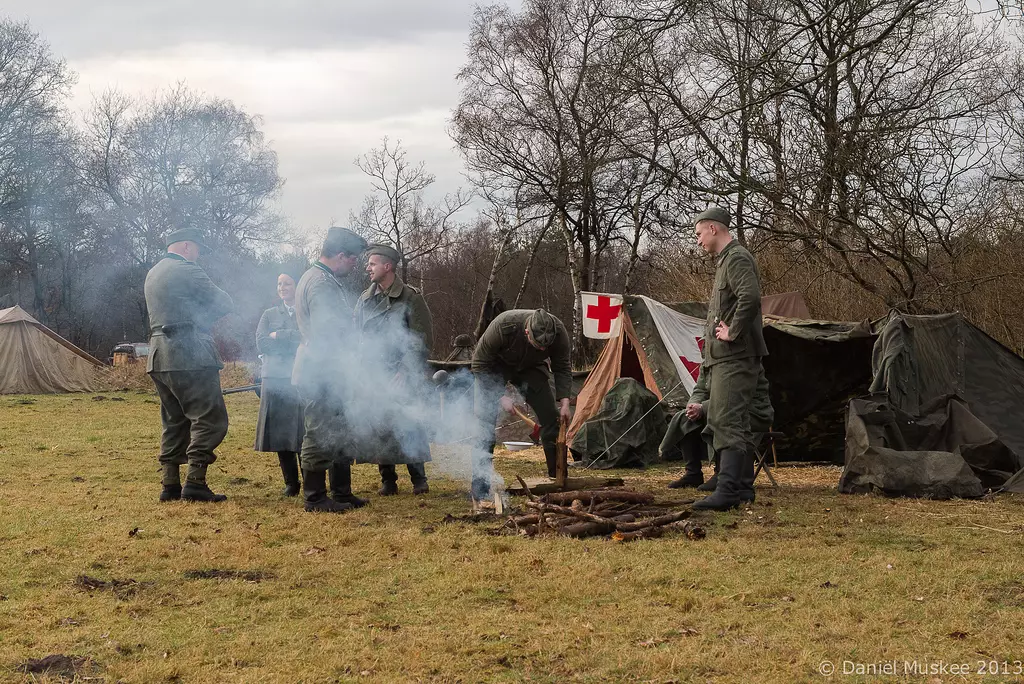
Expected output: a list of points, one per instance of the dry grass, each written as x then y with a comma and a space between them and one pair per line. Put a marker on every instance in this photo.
256, 590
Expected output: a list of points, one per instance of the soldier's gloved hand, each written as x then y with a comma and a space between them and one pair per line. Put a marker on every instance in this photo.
694, 411
507, 404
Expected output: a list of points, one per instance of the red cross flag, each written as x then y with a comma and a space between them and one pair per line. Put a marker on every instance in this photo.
602, 315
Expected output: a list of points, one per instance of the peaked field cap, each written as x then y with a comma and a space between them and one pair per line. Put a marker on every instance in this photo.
717, 214
343, 240
386, 251
190, 234
543, 328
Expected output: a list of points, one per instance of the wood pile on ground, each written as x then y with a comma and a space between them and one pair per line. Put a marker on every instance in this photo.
619, 514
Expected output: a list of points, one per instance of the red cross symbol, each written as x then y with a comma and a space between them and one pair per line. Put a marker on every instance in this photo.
604, 313
693, 368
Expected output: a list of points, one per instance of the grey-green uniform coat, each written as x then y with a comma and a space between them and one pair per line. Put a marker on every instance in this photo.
323, 313
733, 368
400, 316
183, 304
504, 354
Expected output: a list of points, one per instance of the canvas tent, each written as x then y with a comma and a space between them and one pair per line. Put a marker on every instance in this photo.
944, 417
36, 360
657, 346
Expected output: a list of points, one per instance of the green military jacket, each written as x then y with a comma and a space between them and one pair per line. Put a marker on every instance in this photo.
183, 305
401, 305
504, 350
735, 299
323, 314
278, 352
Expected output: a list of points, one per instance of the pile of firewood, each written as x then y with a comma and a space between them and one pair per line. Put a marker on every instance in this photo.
617, 513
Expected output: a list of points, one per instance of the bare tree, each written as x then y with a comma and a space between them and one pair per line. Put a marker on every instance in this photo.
396, 211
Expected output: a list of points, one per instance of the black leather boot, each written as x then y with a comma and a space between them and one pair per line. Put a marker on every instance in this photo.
727, 494
171, 482
746, 489
694, 475
551, 457
712, 483
290, 470
314, 492
418, 476
388, 480
195, 488
341, 486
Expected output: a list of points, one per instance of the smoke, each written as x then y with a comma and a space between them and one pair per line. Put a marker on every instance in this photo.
391, 404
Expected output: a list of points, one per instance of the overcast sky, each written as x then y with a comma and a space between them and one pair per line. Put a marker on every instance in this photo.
329, 78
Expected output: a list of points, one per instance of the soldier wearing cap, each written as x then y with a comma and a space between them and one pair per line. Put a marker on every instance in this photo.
515, 349
323, 314
397, 335
733, 350
183, 304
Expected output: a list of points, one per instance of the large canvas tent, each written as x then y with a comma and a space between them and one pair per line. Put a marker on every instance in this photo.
36, 360
918, 365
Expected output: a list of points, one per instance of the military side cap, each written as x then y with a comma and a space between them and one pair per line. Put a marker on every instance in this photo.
385, 251
716, 214
343, 240
191, 234
543, 328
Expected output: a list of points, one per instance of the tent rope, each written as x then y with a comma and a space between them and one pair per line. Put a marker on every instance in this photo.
626, 431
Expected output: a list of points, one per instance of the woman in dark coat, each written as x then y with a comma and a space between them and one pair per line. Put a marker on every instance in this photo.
280, 427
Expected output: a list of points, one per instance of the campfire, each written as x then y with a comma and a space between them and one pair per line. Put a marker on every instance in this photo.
620, 514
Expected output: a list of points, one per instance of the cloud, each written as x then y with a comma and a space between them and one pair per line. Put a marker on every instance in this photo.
321, 108
83, 29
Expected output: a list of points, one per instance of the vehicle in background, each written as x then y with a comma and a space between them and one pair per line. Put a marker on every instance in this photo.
128, 352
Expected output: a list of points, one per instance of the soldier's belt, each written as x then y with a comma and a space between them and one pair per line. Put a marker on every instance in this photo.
170, 328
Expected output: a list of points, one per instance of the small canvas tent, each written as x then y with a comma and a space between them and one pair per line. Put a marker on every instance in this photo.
36, 360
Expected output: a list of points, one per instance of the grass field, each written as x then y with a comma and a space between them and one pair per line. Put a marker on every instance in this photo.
95, 569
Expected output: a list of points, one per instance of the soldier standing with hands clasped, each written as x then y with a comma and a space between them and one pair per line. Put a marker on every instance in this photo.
183, 304
398, 333
734, 346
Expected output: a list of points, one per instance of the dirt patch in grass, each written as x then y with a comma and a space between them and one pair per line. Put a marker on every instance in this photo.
221, 574
1009, 594
122, 588
58, 665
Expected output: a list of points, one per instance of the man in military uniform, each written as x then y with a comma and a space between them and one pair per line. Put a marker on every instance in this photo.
688, 430
515, 349
397, 334
323, 313
734, 346
183, 304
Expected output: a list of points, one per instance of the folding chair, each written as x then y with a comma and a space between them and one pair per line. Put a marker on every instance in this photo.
764, 446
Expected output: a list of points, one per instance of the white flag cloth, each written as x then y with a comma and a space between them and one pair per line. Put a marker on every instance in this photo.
683, 337
602, 314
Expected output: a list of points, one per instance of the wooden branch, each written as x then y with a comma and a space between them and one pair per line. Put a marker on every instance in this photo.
595, 496
653, 522
582, 515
